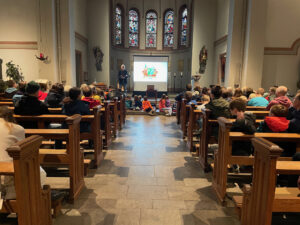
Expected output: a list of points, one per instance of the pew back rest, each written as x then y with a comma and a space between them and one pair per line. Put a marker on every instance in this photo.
258, 203
32, 208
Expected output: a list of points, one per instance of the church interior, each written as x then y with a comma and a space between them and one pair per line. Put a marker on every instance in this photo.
83, 82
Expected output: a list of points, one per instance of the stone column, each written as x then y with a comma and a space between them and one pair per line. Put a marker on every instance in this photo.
246, 39
235, 42
254, 44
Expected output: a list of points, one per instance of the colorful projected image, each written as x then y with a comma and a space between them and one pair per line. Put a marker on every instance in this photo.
149, 72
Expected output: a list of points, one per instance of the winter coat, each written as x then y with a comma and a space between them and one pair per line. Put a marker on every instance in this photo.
258, 101
54, 100
294, 126
282, 100
30, 105
91, 102
278, 125
219, 108
247, 126
77, 107
10, 92
42, 95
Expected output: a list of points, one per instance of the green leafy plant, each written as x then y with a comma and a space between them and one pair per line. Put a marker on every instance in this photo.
13, 72
2, 86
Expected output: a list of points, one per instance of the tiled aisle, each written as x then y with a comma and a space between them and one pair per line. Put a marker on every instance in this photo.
147, 178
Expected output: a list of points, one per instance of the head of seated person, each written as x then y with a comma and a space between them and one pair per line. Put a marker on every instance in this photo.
55, 96
188, 87
11, 89
73, 105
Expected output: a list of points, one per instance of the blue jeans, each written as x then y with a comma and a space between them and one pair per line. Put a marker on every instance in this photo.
123, 85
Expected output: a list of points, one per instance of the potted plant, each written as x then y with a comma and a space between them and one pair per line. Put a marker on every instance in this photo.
13, 72
2, 86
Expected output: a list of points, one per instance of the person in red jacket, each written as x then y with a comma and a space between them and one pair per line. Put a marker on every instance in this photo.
88, 97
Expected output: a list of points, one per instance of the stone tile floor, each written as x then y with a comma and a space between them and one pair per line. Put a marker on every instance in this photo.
148, 177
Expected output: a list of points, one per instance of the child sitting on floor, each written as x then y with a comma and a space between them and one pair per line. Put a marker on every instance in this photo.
147, 107
138, 103
128, 103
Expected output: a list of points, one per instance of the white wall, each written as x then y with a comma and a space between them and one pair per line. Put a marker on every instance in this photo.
221, 31
283, 22
19, 24
204, 33
99, 35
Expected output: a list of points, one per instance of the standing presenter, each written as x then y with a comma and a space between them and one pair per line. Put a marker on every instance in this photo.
123, 75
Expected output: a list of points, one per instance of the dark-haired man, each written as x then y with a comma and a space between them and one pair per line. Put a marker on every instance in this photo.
179, 97
219, 106
29, 103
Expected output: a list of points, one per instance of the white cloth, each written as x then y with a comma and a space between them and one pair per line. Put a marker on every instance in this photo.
10, 134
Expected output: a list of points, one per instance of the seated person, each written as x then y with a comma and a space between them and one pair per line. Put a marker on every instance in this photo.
181, 95
88, 98
272, 94
205, 101
189, 98
11, 89
43, 90
29, 103
163, 107
73, 105
95, 95
21, 91
147, 107
128, 102
277, 122
281, 98
138, 105
55, 96
10, 134
258, 99
219, 106
168, 102
245, 122
294, 116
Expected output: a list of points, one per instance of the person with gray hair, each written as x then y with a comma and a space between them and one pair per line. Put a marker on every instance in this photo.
281, 98
123, 75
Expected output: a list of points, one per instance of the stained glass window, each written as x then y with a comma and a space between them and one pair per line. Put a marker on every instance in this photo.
118, 26
151, 29
169, 29
183, 27
133, 28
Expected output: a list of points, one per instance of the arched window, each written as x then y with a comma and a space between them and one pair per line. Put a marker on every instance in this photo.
133, 25
151, 29
183, 25
169, 29
118, 26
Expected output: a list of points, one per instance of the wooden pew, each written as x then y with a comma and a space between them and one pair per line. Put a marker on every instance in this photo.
264, 197
71, 157
107, 125
194, 115
6, 103
178, 111
94, 120
32, 203
115, 116
223, 156
184, 117
256, 108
